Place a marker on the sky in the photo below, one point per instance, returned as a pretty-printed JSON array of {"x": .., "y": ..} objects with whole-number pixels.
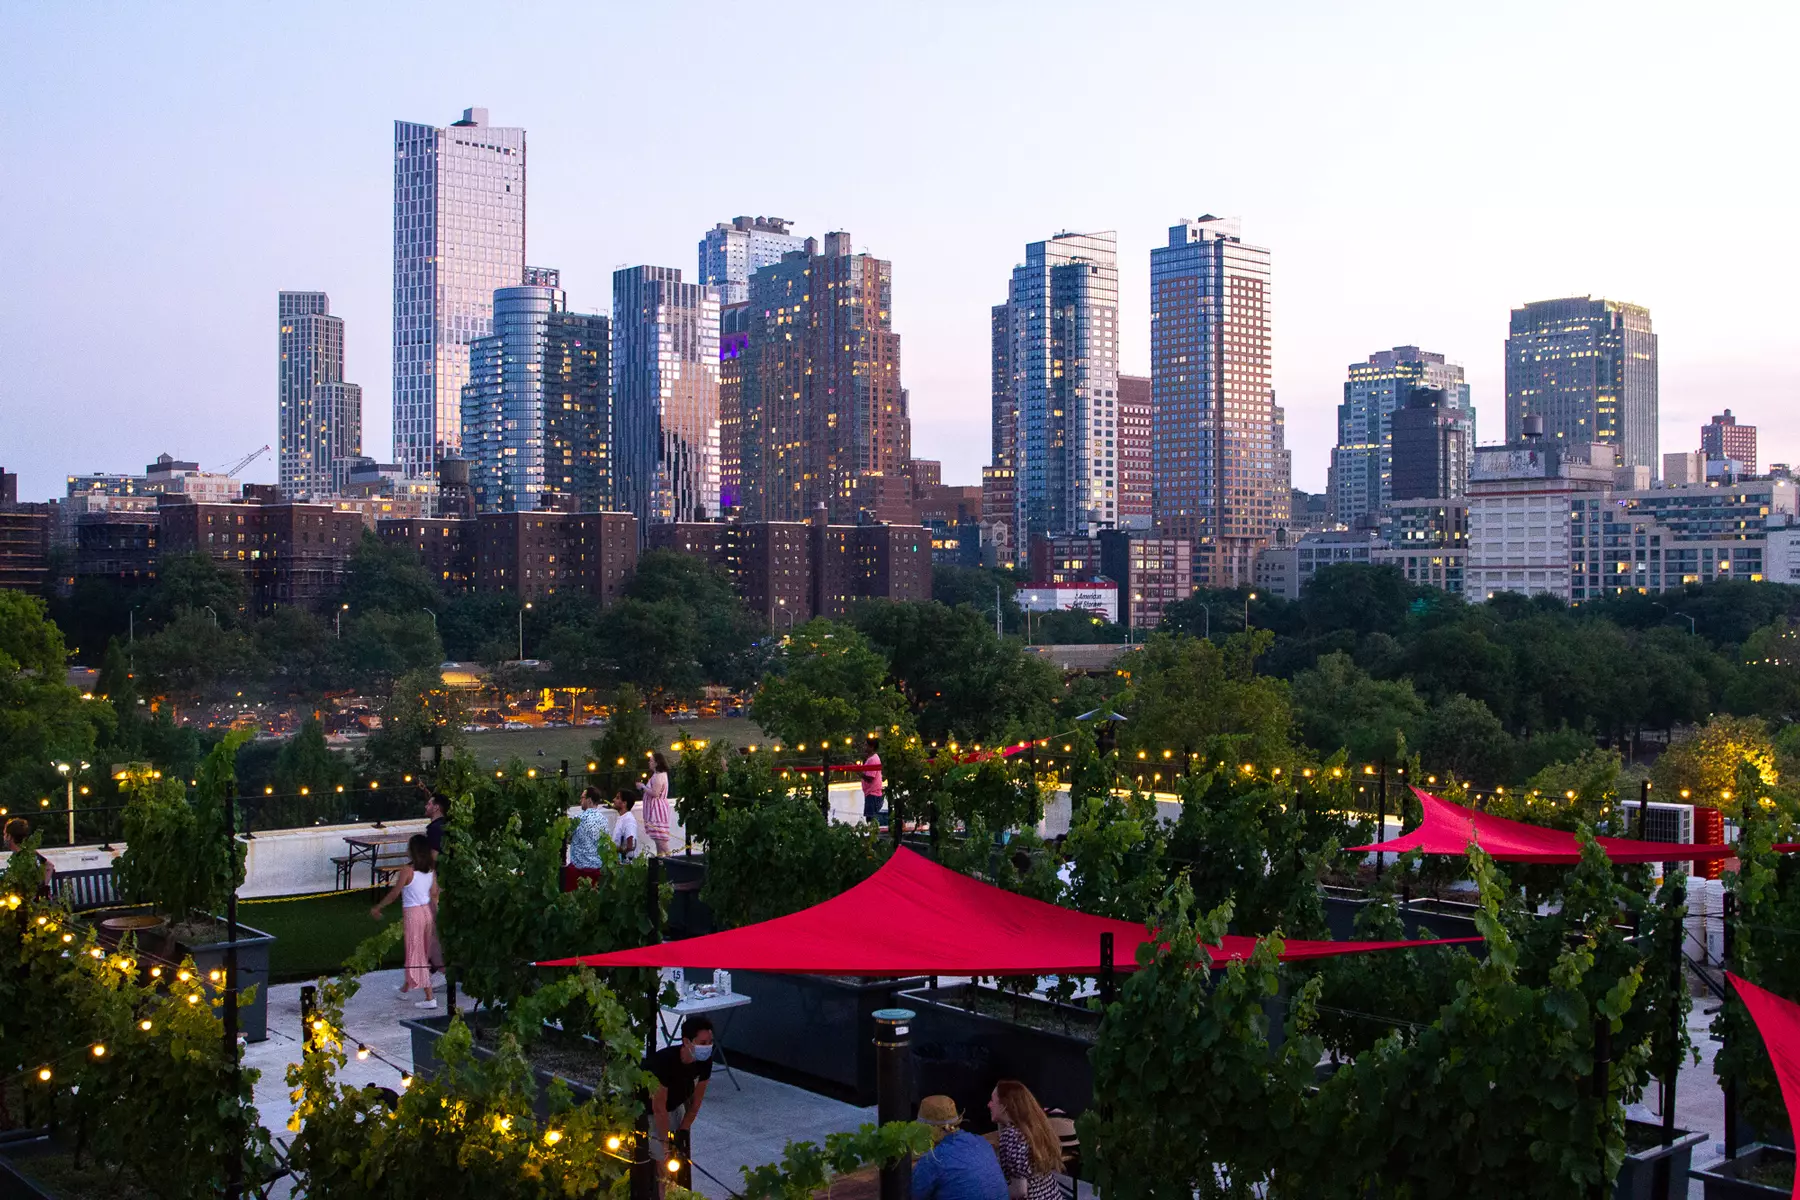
[{"x": 1417, "y": 170}]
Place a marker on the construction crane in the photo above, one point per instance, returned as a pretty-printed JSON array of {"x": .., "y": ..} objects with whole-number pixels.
[{"x": 245, "y": 461}]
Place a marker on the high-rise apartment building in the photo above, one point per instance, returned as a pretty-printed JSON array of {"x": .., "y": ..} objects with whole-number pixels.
[
  {"x": 1724, "y": 440},
  {"x": 734, "y": 339},
  {"x": 1005, "y": 405},
  {"x": 1588, "y": 368},
  {"x": 1214, "y": 454},
  {"x": 1362, "y": 462},
  {"x": 1135, "y": 490},
  {"x": 1431, "y": 444},
  {"x": 825, "y": 418},
  {"x": 731, "y": 253},
  {"x": 536, "y": 411},
  {"x": 320, "y": 415},
  {"x": 459, "y": 236},
  {"x": 665, "y": 374},
  {"x": 1063, "y": 315}
]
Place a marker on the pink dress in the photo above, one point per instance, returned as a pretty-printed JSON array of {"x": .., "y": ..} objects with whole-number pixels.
[
  {"x": 657, "y": 817},
  {"x": 421, "y": 930}
]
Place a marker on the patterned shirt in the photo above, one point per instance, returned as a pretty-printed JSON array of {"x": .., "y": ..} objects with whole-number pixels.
[
  {"x": 1015, "y": 1163},
  {"x": 584, "y": 843}
]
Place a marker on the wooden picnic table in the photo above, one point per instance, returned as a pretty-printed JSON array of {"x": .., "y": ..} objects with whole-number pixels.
[{"x": 369, "y": 846}]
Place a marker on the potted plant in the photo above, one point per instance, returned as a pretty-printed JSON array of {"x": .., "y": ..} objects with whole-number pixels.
[
  {"x": 180, "y": 859},
  {"x": 1646, "y": 1158}
]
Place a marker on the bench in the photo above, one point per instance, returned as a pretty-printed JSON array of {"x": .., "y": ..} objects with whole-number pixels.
[{"x": 86, "y": 889}]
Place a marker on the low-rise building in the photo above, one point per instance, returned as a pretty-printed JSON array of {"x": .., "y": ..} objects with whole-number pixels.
[
  {"x": 1521, "y": 501},
  {"x": 289, "y": 553},
  {"x": 24, "y": 539},
  {"x": 1657, "y": 539}
]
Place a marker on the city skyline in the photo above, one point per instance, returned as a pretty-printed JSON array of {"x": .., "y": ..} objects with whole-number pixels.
[{"x": 112, "y": 216}]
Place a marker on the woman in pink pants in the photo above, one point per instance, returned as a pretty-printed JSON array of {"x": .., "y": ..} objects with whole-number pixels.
[{"x": 417, "y": 890}]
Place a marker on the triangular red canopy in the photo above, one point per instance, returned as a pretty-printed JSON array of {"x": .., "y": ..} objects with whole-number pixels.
[
  {"x": 1449, "y": 828},
  {"x": 914, "y": 917},
  {"x": 1778, "y": 1021}
]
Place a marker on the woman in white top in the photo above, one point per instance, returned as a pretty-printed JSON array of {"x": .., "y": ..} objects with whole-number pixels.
[
  {"x": 417, "y": 890},
  {"x": 625, "y": 827}
]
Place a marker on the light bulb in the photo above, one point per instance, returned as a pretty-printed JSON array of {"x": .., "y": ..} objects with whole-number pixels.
[
  {"x": 99, "y": 1050},
  {"x": 552, "y": 1137},
  {"x": 145, "y": 1025}
]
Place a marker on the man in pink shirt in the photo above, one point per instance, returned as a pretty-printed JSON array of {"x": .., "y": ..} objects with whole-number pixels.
[{"x": 872, "y": 786}]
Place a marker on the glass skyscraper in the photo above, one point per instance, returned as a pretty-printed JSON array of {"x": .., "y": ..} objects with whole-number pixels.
[
  {"x": 459, "y": 236},
  {"x": 1062, "y": 312},
  {"x": 1217, "y": 467},
  {"x": 731, "y": 253},
  {"x": 665, "y": 374},
  {"x": 1588, "y": 368},
  {"x": 320, "y": 415},
  {"x": 1362, "y": 462},
  {"x": 536, "y": 410}
]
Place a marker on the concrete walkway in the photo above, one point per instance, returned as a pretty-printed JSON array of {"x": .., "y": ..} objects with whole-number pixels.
[{"x": 738, "y": 1126}]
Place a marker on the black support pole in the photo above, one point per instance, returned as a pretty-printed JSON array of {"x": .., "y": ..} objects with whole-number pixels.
[
  {"x": 1731, "y": 1129},
  {"x": 1672, "y": 1066},
  {"x": 893, "y": 1090},
  {"x": 1107, "y": 986},
  {"x": 1381, "y": 822},
  {"x": 644, "y": 1184},
  {"x": 1602, "y": 1088},
  {"x": 234, "y": 1167}
]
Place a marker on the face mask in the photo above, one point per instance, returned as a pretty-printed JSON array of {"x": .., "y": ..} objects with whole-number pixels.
[{"x": 702, "y": 1053}]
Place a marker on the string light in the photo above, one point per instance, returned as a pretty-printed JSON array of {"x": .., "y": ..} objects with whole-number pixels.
[
  {"x": 146, "y": 1025},
  {"x": 43, "y": 1074},
  {"x": 99, "y": 1050},
  {"x": 552, "y": 1136},
  {"x": 362, "y": 1052},
  {"x": 673, "y": 1165},
  {"x": 156, "y": 972},
  {"x": 193, "y": 997},
  {"x": 405, "y": 1082},
  {"x": 613, "y": 1143}
]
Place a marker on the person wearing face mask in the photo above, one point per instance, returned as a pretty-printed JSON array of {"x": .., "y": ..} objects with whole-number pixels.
[{"x": 682, "y": 1071}]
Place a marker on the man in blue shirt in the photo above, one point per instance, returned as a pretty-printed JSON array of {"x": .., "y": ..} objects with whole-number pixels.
[
  {"x": 960, "y": 1166},
  {"x": 584, "y": 844}
]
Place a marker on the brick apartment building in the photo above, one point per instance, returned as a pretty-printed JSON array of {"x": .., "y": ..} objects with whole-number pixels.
[
  {"x": 289, "y": 553},
  {"x": 530, "y": 554}
]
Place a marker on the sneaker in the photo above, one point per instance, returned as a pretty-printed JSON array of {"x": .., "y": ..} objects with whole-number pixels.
[{"x": 425, "y": 1004}]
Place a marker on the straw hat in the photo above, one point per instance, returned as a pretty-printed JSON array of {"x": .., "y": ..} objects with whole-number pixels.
[{"x": 939, "y": 1112}]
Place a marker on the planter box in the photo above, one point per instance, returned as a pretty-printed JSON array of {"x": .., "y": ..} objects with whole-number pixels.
[
  {"x": 1439, "y": 919},
  {"x": 425, "y": 1034},
  {"x": 253, "y": 969},
  {"x": 962, "y": 1054},
  {"x": 689, "y": 916},
  {"x": 1341, "y": 909},
  {"x": 1724, "y": 1180},
  {"x": 16, "y": 1182},
  {"x": 816, "y": 1027},
  {"x": 1637, "y": 1174}
]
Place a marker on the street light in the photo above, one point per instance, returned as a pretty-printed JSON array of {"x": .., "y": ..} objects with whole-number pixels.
[
  {"x": 1206, "y": 626},
  {"x": 67, "y": 771},
  {"x": 786, "y": 612},
  {"x": 338, "y": 619},
  {"x": 434, "y": 627},
  {"x": 1247, "y": 600},
  {"x": 1672, "y": 613},
  {"x": 215, "y": 616},
  {"x": 522, "y": 631}
]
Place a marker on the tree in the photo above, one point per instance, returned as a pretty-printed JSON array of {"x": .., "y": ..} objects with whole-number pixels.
[
  {"x": 42, "y": 718},
  {"x": 194, "y": 583},
  {"x": 976, "y": 587},
  {"x": 654, "y": 644},
  {"x": 1460, "y": 736},
  {"x": 420, "y": 712},
  {"x": 725, "y": 631},
  {"x": 827, "y": 681},
  {"x": 624, "y": 746},
  {"x": 380, "y": 577},
  {"x": 305, "y": 761},
  {"x": 300, "y": 650},
  {"x": 193, "y": 653},
  {"x": 1338, "y": 705},
  {"x": 1188, "y": 695},
  {"x": 1704, "y": 768},
  {"x": 960, "y": 680},
  {"x": 381, "y": 645},
  {"x": 1357, "y": 597}
]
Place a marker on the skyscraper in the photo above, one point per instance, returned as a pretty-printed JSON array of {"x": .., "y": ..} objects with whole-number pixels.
[
  {"x": 1588, "y": 367},
  {"x": 1724, "y": 440},
  {"x": 1213, "y": 407},
  {"x": 731, "y": 253},
  {"x": 1362, "y": 462},
  {"x": 320, "y": 414},
  {"x": 459, "y": 236},
  {"x": 825, "y": 418},
  {"x": 734, "y": 339},
  {"x": 1431, "y": 448},
  {"x": 536, "y": 409},
  {"x": 1136, "y": 494},
  {"x": 1064, "y": 316},
  {"x": 665, "y": 372},
  {"x": 1005, "y": 418}
]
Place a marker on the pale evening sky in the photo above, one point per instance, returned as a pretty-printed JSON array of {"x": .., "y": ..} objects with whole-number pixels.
[{"x": 1416, "y": 169}]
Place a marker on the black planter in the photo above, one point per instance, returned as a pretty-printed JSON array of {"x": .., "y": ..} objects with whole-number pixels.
[
  {"x": 15, "y": 1183},
  {"x": 1341, "y": 909},
  {"x": 962, "y": 1054},
  {"x": 425, "y": 1034},
  {"x": 816, "y": 1030},
  {"x": 1637, "y": 1174},
  {"x": 252, "y": 963},
  {"x": 689, "y": 915},
  {"x": 1723, "y": 1180},
  {"x": 1439, "y": 919}
]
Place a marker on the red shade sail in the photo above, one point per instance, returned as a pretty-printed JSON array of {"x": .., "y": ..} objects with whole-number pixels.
[
  {"x": 1778, "y": 1021},
  {"x": 1449, "y": 828},
  {"x": 914, "y": 917}
]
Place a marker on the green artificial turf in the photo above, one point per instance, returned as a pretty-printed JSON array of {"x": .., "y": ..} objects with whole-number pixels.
[{"x": 313, "y": 937}]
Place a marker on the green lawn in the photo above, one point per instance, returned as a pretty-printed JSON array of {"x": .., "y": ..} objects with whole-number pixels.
[
  {"x": 313, "y": 937},
  {"x": 498, "y": 745}
]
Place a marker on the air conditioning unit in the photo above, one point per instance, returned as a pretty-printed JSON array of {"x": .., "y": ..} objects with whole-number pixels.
[{"x": 1664, "y": 823}]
